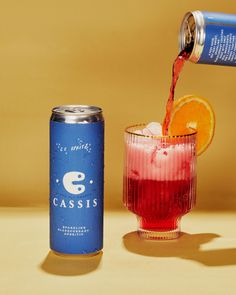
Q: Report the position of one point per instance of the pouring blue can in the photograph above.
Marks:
(210, 37)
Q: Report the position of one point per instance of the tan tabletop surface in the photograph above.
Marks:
(202, 261)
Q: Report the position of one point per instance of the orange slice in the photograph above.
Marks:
(195, 112)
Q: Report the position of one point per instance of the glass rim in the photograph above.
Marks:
(192, 132)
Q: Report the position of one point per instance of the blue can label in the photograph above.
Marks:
(76, 187)
(220, 39)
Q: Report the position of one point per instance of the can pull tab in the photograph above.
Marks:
(189, 33)
(188, 38)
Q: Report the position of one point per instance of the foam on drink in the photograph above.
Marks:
(157, 156)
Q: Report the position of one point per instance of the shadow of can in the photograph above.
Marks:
(71, 265)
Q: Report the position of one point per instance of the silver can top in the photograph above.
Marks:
(192, 34)
(72, 114)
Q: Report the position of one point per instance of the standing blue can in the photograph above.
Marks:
(76, 179)
(210, 37)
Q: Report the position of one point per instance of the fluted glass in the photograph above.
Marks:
(159, 181)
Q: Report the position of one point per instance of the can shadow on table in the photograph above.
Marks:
(188, 247)
(70, 265)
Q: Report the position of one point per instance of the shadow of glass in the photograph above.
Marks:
(71, 265)
(186, 247)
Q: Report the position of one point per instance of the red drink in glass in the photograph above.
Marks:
(159, 181)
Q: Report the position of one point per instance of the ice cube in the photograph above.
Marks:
(154, 128)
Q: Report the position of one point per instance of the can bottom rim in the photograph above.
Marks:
(79, 255)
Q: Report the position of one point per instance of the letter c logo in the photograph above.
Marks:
(70, 182)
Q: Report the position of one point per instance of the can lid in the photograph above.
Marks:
(76, 110)
(192, 34)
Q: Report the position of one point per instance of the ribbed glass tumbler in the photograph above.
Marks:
(159, 181)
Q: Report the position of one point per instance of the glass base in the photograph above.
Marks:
(159, 235)
(158, 229)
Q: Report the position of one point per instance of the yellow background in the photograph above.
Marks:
(117, 55)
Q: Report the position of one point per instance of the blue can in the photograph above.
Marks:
(210, 37)
(76, 179)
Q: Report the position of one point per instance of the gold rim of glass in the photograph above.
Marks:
(192, 132)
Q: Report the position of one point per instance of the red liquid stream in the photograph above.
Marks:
(176, 70)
